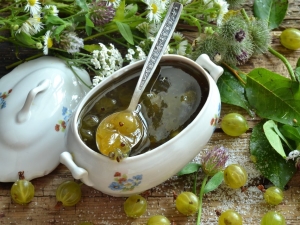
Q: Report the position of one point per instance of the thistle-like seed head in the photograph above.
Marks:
(101, 12)
(214, 160)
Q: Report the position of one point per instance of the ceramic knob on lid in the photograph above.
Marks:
(36, 101)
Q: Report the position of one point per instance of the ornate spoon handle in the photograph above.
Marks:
(158, 48)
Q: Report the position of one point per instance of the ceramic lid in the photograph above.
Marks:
(36, 101)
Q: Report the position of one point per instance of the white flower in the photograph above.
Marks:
(114, 3)
(177, 36)
(144, 27)
(70, 42)
(165, 4)
(107, 60)
(97, 80)
(155, 10)
(182, 47)
(52, 9)
(154, 28)
(33, 6)
(222, 10)
(31, 26)
(135, 55)
(220, 7)
(48, 43)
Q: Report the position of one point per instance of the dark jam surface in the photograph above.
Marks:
(171, 100)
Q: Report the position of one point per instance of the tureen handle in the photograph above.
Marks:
(214, 70)
(24, 114)
(77, 172)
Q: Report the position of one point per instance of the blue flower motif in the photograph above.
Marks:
(2, 103)
(138, 177)
(115, 186)
(64, 111)
(129, 184)
(122, 183)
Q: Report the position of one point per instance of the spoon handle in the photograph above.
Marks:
(158, 48)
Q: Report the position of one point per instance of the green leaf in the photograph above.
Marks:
(214, 182)
(232, 91)
(88, 30)
(272, 11)
(270, 164)
(82, 4)
(119, 15)
(88, 21)
(57, 32)
(297, 73)
(291, 132)
(132, 11)
(55, 20)
(189, 168)
(274, 139)
(273, 96)
(25, 39)
(91, 48)
(125, 32)
(298, 63)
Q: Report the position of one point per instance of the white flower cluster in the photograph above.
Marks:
(33, 25)
(106, 61)
(135, 55)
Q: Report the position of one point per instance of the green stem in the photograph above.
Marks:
(113, 39)
(99, 34)
(25, 60)
(201, 199)
(235, 73)
(245, 15)
(195, 184)
(285, 61)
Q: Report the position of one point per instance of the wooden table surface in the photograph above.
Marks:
(99, 208)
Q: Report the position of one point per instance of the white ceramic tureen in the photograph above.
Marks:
(36, 100)
(138, 173)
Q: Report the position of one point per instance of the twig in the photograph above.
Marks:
(235, 73)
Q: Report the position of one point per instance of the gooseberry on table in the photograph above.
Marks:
(68, 193)
(22, 191)
(273, 195)
(187, 203)
(234, 124)
(273, 218)
(158, 220)
(230, 217)
(235, 176)
(290, 38)
(135, 206)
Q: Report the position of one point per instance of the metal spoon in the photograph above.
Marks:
(119, 132)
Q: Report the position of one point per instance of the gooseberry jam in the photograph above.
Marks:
(172, 99)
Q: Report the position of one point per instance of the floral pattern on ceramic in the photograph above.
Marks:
(62, 124)
(215, 119)
(3, 96)
(123, 183)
